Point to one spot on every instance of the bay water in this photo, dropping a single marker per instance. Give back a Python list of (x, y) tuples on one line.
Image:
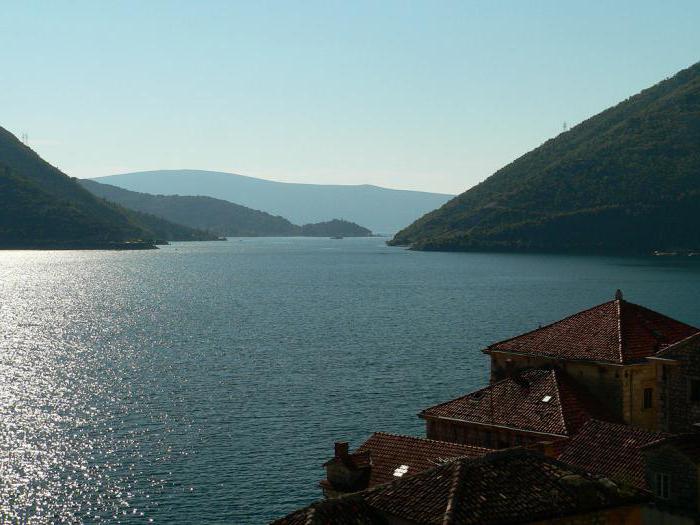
[(207, 382)]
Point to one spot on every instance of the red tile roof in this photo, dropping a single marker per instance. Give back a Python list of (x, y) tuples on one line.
[(513, 486), (613, 332), (390, 451), (612, 450), (539, 400)]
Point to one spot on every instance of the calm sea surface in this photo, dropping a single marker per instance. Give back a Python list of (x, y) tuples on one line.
[(206, 382)]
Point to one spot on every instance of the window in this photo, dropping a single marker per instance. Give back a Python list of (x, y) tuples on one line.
[(662, 488), (694, 390), (648, 397)]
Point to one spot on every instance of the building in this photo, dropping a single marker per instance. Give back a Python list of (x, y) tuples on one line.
[(386, 457), (532, 406), (672, 470), (678, 382), (605, 349), (511, 486)]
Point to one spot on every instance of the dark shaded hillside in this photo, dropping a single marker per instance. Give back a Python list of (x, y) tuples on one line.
[(627, 179), (42, 207), (31, 218), (107, 222), (219, 216)]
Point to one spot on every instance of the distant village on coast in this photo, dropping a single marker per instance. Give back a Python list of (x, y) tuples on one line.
[(592, 419)]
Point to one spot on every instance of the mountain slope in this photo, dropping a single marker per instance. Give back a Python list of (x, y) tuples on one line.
[(206, 213), (380, 209), (41, 207), (219, 216), (627, 179)]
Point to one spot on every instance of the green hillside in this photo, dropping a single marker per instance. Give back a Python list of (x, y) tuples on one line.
[(219, 216), (40, 207), (206, 213), (627, 179), (336, 227)]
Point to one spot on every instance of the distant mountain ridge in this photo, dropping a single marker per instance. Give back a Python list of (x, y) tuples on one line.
[(381, 210), (627, 179), (218, 216), (41, 207)]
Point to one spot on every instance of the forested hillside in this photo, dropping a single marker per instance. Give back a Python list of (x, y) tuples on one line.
[(627, 179)]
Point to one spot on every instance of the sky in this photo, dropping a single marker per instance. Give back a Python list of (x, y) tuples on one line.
[(433, 95)]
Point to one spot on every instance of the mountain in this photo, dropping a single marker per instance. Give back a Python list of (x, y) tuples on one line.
[(40, 207), (380, 209), (627, 179), (206, 213), (219, 216)]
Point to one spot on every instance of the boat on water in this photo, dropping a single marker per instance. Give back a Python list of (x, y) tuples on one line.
[(337, 237)]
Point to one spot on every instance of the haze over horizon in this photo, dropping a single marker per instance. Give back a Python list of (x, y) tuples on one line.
[(400, 95)]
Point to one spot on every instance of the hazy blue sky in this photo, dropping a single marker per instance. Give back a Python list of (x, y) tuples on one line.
[(425, 95)]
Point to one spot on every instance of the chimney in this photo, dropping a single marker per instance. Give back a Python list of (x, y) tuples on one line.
[(342, 449), (618, 295)]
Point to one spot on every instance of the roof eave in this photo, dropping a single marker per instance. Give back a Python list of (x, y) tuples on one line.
[(559, 358)]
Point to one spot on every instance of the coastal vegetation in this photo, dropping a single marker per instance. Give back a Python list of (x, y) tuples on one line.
[(218, 216), (41, 207), (627, 179)]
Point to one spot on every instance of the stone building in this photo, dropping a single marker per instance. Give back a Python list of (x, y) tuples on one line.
[(606, 349), (511, 486), (678, 382), (672, 470)]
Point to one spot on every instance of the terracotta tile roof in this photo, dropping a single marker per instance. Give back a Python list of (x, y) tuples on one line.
[(513, 486), (614, 332), (539, 400), (389, 452), (611, 449), (348, 510), (687, 444)]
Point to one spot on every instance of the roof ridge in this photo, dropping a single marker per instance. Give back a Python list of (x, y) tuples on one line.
[(557, 386), (618, 306), (454, 485), (549, 324)]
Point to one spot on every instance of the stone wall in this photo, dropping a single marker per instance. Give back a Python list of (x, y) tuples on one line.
[(683, 474), (677, 411)]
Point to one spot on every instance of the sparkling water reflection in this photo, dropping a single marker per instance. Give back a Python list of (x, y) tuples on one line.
[(206, 382)]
